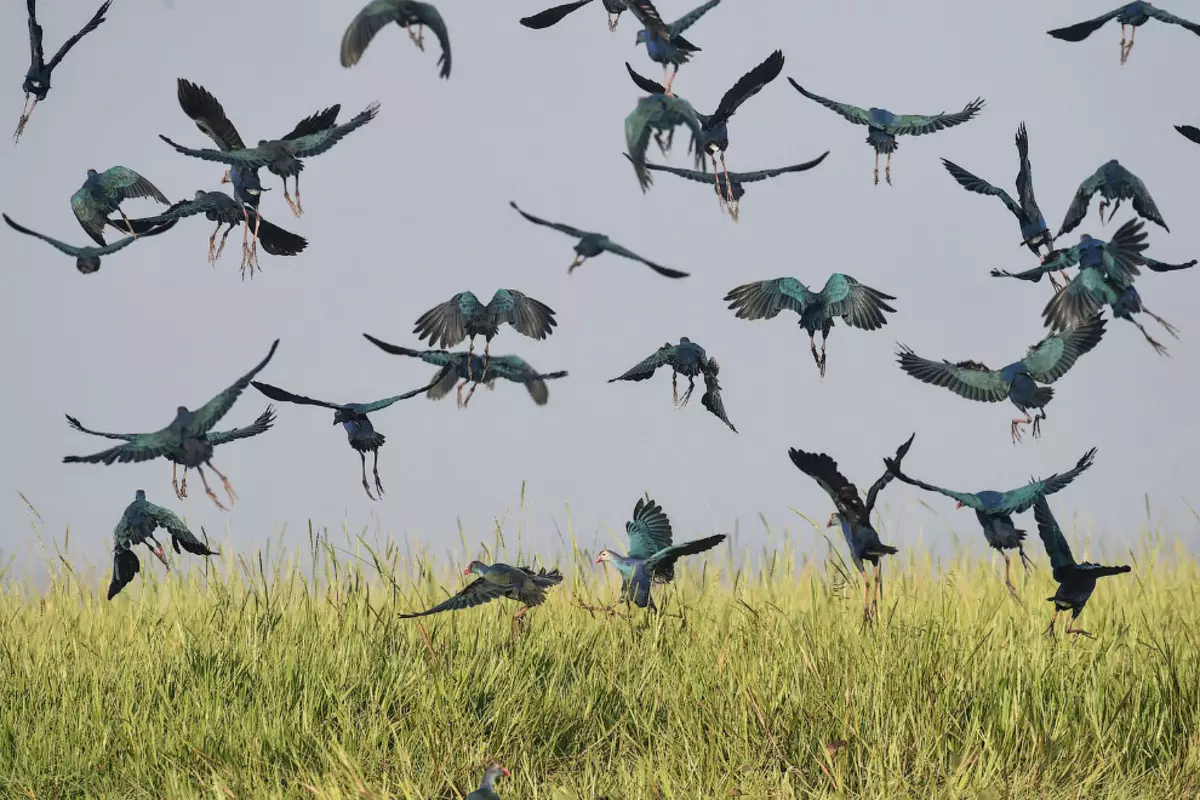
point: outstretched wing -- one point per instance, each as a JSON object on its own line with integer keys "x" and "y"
{"x": 36, "y": 54}
{"x": 613, "y": 247}
{"x": 655, "y": 112}
{"x": 860, "y": 306}
{"x": 204, "y": 418}
{"x": 1158, "y": 266}
{"x": 320, "y": 121}
{"x": 167, "y": 520}
{"x": 124, "y": 437}
{"x": 1020, "y": 500}
{"x": 248, "y": 158}
{"x": 1052, "y": 537}
{"x": 649, "y": 530}
{"x": 1082, "y": 299}
{"x": 978, "y": 185}
{"x": 284, "y": 396}
{"x": 765, "y": 299}
{"x": 477, "y": 592}
{"x": 645, "y": 84}
{"x": 558, "y": 226}
{"x": 261, "y": 425}
{"x": 661, "y": 565}
{"x": 1169, "y": 18}
{"x": 646, "y": 367}
{"x": 968, "y": 379}
{"x": 1025, "y": 173}
{"x": 379, "y": 405}
{"x": 711, "y": 399}
{"x": 378, "y": 13}
{"x": 762, "y": 175}
{"x": 858, "y": 116}
{"x": 70, "y": 250}
{"x": 93, "y": 23}
{"x": 968, "y": 499}
{"x": 690, "y": 174}
{"x": 651, "y": 20}
{"x": 274, "y": 239}
{"x": 689, "y": 19}
{"x": 747, "y": 86}
{"x": 209, "y": 115}
{"x": 1079, "y": 203}
{"x": 1081, "y": 30}
{"x": 824, "y": 470}
{"x": 318, "y": 142}
{"x": 530, "y": 317}
{"x": 518, "y": 370}
{"x": 919, "y": 124}
{"x": 138, "y": 447}
{"x": 445, "y": 324}
{"x": 126, "y": 184}
{"x": 887, "y": 476}
{"x": 1190, "y": 132}
{"x": 1055, "y": 261}
{"x": 1049, "y": 359}
{"x": 1143, "y": 203}
{"x": 551, "y": 16}
{"x": 440, "y": 358}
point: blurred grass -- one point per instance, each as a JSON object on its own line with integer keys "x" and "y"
{"x": 288, "y": 675}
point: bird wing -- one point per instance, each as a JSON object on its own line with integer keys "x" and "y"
{"x": 649, "y": 530}
{"x": 530, "y": 317}
{"x": 366, "y": 23}
{"x": 613, "y": 247}
{"x": 1021, "y": 500}
{"x": 204, "y": 418}
{"x": 443, "y": 382}
{"x": 646, "y": 367}
{"x": 651, "y": 20}
{"x": 1123, "y": 253}
{"x": 36, "y": 54}
{"x": 1052, "y": 537}
{"x": 765, "y": 299}
{"x": 1049, "y": 359}
{"x": 138, "y": 447}
{"x": 124, "y": 437}
{"x": 968, "y": 379}
{"x": 1168, "y": 17}
{"x": 518, "y": 370}
{"x": 1143, "y": 203}
{"x": 274, "y": 239}
{"x": 90, "y": 218}
{"x": 92, "y": 24}
{"x": 824, "y": 470}
{"x": 1025, "y": 174}
{"x": 439, "y": 357}
{"x": 318, "y": 142}
{"x": 654, "y": 112}
{"x": 854, "y": 114}
{"x": 477, "y": 592}
{"x": 1081, "y": 300}
{"x": 978, "y": 185}
{"x": 645, "y": 84}
{"x": 284, "y": 396}
{"x": 1158, "y": 266}
{"x": 762, "y": 175}
{"x": 124, "y": 183}
{"x": 919, "y": 124}
{"x": 180, "y": 210}
{"x": 665, "y": 559}
{"x": 860, "y": 306}
{"x": 1081, "y": 30}
{"x": 551, "y": 16}
{"x": 314, "y": 123}
{"x": 1079, "y": 204}
{"x": 711, "y": 399}
{"x": 261, "y": 425}
{"x": 445, "y": 324}
{"x": 246, "y": 158}
{"x": 689, "y": 19}
{"x": 1190, "y": 132}
{"x": 209, "y": 115}
{"x": 747, "y": 86}
{"x": 558, "y": 226}
{"x": 379, "y": 405}
{"x": 888, "y": 475}
{"x": 125, "y": 565}
{"x": 167, "y": 520}
{"x": 1056, "y": 261}
{"x": 690, "y": 174}
{"x": 63, "y": 246}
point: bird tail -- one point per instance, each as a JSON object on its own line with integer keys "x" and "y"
{"x": 884, "y": 550}
{"x": 546, "y": 579}
{"x": 1101, "y": 572}
{"x": 684, "y": 45}
{"x": 1042, "y": 395}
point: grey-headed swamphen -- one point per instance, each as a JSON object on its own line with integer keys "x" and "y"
{"x": 103, "y": 192}
{"x": 487, "y": 788}
{"x": 688, "y": 359}
{"x": 87, "y": 259}
{"x": 1134, "y": 14}
{"x": 1115, "y": 184}
{"x": 138, "y": 523}
{"x": 665, "y": 43}
{"x": 377, "y": 14}
{"x": 498, "y": 580}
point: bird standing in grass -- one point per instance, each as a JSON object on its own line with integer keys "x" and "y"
{"x": 842, "y": 297}
{"x": 138, "y": 523}
{"x": 994, "y": 509}
{"x": 552, "y": 16}
{"x": 1134, "y": 14}
{"x": 1044, "y": 362}
{"x": 1076, "y": 581}
{"x": 591, "y": 245}
{"x": 665, "y": 43}
{"x": 487, "y": 788}
{"x": 102, "y": 194}
{"x": 499, "y": 580}
{"x": 87, "y": 259}
{"x": 883, "y": 126}
{"x": 652, "y": 556}
{"x": 688, "y": 359}
{"x": 405, "y": 13}
{"x": 730, "y": 184}
{"x": 1115, "y": 184}
{"x": 37, "y": 78}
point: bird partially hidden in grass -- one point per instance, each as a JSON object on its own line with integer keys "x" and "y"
{"x": 858, "y": 305}
{"x": 37, "y": 78}
{"x": 487, "y": 788}
{"x": 994, "y": 509}
{"x": 360, "y": 432}
{"x": 651, "y": 557}
{"x": 665, "y": 43}
{"x": 591, "y": 245}
{"x": 853, "y": 516}
{"x": 1133, "y": 14}
{"x": 185, "y": 441}
{"x": 498, "y": 580}
{"x": 468, "y": 368}
{"x": 555, "y": 15}
{"x": 883, "y": 126}
{"x": 1044, "y": 362}
{"x": 102, "y": 194}
{"x": 138, "y": 523}
{"x": 688, "y": 359}
{"x": 1115, "y": 184}
{"x": 1076, "y": 581}
{"x": 375, "y": 15}
{"x": 87, "y": 259}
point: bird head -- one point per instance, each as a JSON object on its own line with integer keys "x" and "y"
{"x": 958, "y": 505}
{"x": 92, "y": 173}
{"x": 88, "y": 265}
{"x": 140, "y": 494}
{"x": 475, "y": 568}
{"x": 491, "y": 773}
{"x": 835, "y": 519}
{"x": 225, "y": 178}
{"x": 603, "y": 555}
{"x": 641, "y": 37}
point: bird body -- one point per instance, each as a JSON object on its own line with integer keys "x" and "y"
{"x": 1133, "y": 14}
{"x": 498, "y": 580}
{"x": 405, "y": 13}
{"x": 690, "y": 360}
{"x": 657, "y": 114}
{"x": 87, "y": 259}
{"x": 730, "y": 184}
{"x": 1115, "y": 185}
{"x": 102, "y": 194}
{"x": 665, "y": 43}
{"x": 138, "y": 523}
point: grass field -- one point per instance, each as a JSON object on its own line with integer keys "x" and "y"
{"x": 270, "y": 678}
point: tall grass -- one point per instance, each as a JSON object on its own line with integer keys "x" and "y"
{"x": 289, "y": 675}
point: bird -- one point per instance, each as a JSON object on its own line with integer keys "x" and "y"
{"x": 858, "y": 305}
{"x": 1044, "y": 362}
{"x": 87, "y": 259}
{"x": 714, "y": 128}
{"x": 282, "y": 156}
{"x": 591, "y": 245}
{"x": 1134, "y": 14}
{"x": 659, "y": 113}
{"x": 854, "y": 518}
{"x": 1118, "y": 257}
{"x": 353, "y": 418}
{"x": 487, "y": 788}
{"x": 652, "y": 556}
{"x": 731, "y": 182}
{"x": 468, "y": 368}
{"x": 1076, "y": 581}
{"x": 464, "y": 317}
{"x": 995, "y": 510}
{"x": 1115, "y": 183}
{"x": 498, "y": 580}
{"x": 405, "y": 13}
{"x": 185, "y": 441}
{"x": 665, "y": 43}
{"x": 37, "y": 78}
{"x": 688, "y": 359}
{"x": 883, "y": 126}
{"x": 138, "y": 523}
{"x": 102, "y": 194}
{"x": 552, "y": 16}
{"x": 1190, "y": 132}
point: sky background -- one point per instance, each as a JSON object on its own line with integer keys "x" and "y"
{"x": 413, "y": 207}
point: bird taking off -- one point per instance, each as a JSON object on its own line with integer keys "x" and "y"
{"x": 405, "y": 13}
{"x": 498, "y": 580}
{"x": 87, "y": 259}
{"x": 688, "y": 359}
{"x": 138, "y": 523}
{"x": 1133, "y": 14}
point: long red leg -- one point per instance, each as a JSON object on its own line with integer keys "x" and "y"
{"x": 175, "y": 480}
{"x": 228, "y": 486}
{"x": 208, "y": 489}
{"x": 212, "y": 245}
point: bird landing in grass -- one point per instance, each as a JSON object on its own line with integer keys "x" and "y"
{"x": 498, "y": 580}
{"x": 138, "y": 523}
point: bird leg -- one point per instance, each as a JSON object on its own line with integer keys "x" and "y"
{"x": 1012, "y": 590}
{"x": 878, "y": 586}
{"x": 1123, "y": 55}
{"x": 667, "y": 80}
{"x": 1026, "y": 562}
{"x": 288, "y": 198}
{"x": 688, "y": 394}
{"x": 675, "y": 388}
{"x": 578, "y": 262}
{"x": 887, "y": 170}
{"x": 251, "y": 259}
{"x": 1171, "y": 329}
{"x": 867, "y": 615}
{"x": 212, "y": 244}
{"x": 208, "y": 489}
{"x": 470, "y": 355}
{"x": 876, "y": 167}
{"x": 419, "y": 38}
{"x": 221, "y": 249}
{"x": 613, "y": 19}
{"x": 183, "y": 485}
{"x": 1054, "y": 282}
{"x": 517, "y": 620}
{"x": 1077, "y": 631}
{"x": 1115, "y": 206}
{"x": 159, "y": 552}
{"x": 375, "y": 470}
{"x": 299, "y": 206}
{"x": 26, "y": 113}
{"x": 812, "y": 346}
{"x": 1037, "y": 423}
{"x": 1101, "y": 206}
{"x": 1053, "y": 619}
{"x": 1016, "y": 426}
{"x": 225, "y": 481}
{"x": 175, "y": 476}
{"x": 1127, "y": 49}
{"x": 728, "y": 183}
{"x": 487, "y": 343}
{"x": 821, "y": 363}
{"x": 464, "y": 382}
{"x": 245, "y": 235}
{"x": 128, "y": 224}
{"x": 366, "y": 486}
{"x": 1158, "y": 347}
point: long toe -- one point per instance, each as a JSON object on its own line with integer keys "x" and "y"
{"x": 213, "y": 496}
{"x": 367, "y": 488}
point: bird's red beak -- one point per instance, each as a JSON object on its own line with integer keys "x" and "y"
{"x": 598, "y": 559}
{"x": 505, "y": 772}
{"x": 958, "y": 504}
{"x": 467, "y": 571}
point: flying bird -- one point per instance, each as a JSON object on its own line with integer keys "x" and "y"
{"x": 102, "y": 194}
{"x": 659, "y": 114}
{"x": 652, "y": 556}
{"x": 688, "y": 359}
{"x": 854, "y": 518}
{"x": 360, "y": 433}
{"x": 1076, "y": 581}
{"x": 1134, "y": 14}
{"x": 883, "y": 126}
{"x": 1115, "y": 183}
{"x": 499, "y": 580}
{"x": 405, "y": 13}
{"x": 591, "y": 245}
{"x": 552, "y": 16}
{"x": 487, "y": 788}
{"x": 138, "y": 523}
{"x": 1190, "y": 132}
{"x": 468, "y": 367}
{"x": 283, "y": 156}
{"x": 87, "y": 259}
{"x": 185, "y": 441}
{"x": 843, "y": 297}
{"x": 665, "y": 43}
{"x": 1044, "y": 362}
{"x": 995, "y": 510}
{"x": 37, "y": 78}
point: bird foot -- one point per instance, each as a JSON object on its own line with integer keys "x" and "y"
{"x": 175, "y": 486}
{"x": 821, "y": 363}
{"x": 1037, "y": 427}
{"x": 733, "y": 211}
{"x": 213, "y": 496}
{"x": 1016, "y": 430}
{"x": 291, "y": 204}
{"x": 16, "y": 137}
{"x": 378, "y": 486}
{"x": 1079, "y": 632}
{"x": 613, "y": 19}
{"x": 367, "y": 488}
{"x": 887, "y": 175}
{"x": 877, "y": 176}
{"x": 418, "y": 38}
{"x": 229, "y": 490}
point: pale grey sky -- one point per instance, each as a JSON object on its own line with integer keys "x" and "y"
{"x": 413, "y": 207}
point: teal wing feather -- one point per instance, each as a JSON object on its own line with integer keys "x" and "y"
{"x": 318, "y": 142}
{"x": 1169, "y": 18}
{"x": 763, "y": 174}
{"x": 1053, "y": 262}
{"x": 530, "y": 317}
{"x": 854, "y": 114}
{"x": 1081, "y": 30}
{"x": 71, "y": 250}
{"x": 860, "y": 306}
{"x": 1051, "y": 358}
{"x": 369, "y": 21}
{"x": 765, "y": 299}
{"x": 1122, "y": 255}
{"x": 137, "y": 447}
{"x": 1052, "y": 536}
{"x": 261, "y": 425}
{"x": 919, "y": 124}
{"x": 1025, "y": 171}
{"x": 888, "y": 475}
{"x": 655, "y": 112}
{"x": 973, "y": 183}
{"x": 649, "y": 531}
{"x": 689, "y": 19}
{"x": 1082, "y": 299}
{"x": 1021, "y": 500}
{"x": 711, "y": 399}
{"x": 646, "y": 367}
{"x": 518, "y": 370}
{"x": 969, "y": 379}
{"x": 167, "y": 520}
{"x": 204, "y": 418}
{"x": 379, "y": 405}
{"x": 124, "y": 183}
{"x": 613, "y": 247}
{"x": 445, "y": 324}
{"x": 92, "y": 24}
{"x": 1079, "y": 203}
{"x": 661, "y": 565}
{"x": 690, "y": 174}
{"x": 477, "y": 592}
{"x": 558, "y": 226}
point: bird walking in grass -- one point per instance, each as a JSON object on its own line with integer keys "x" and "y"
{"x": 883, "y": 126}
{"x": 843, "y": 297}
{"x": 1076, "y": 581}
{"x": 665, "y": 43}
{"x": 853, "y": 516}
{"x": 499, "y": 580}
{"x": 730, "y": 184}
{"x": 283, "y": 156}
{"x": 555, "y": 15}
{"x": 87, "y": 259}
{"x": 37, "y": 78}
{"x": 652, "y": 556}
{"x": 995, "y": 510}
{"x": 360, "y": 432}
{"x": 1044, "y": 362}
{"x": 102, "y": 194}
{"x": 405, "y": 13}
{"x": 1115, "y": 184}
{"x": 1133, "y": 14}
{"x": 138, "y": 523}
{"x": 487, "y": 788}
{"x": 185, "y": 441}
{"x": 688, "y": 359}
{"x": 591, "y": 245}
